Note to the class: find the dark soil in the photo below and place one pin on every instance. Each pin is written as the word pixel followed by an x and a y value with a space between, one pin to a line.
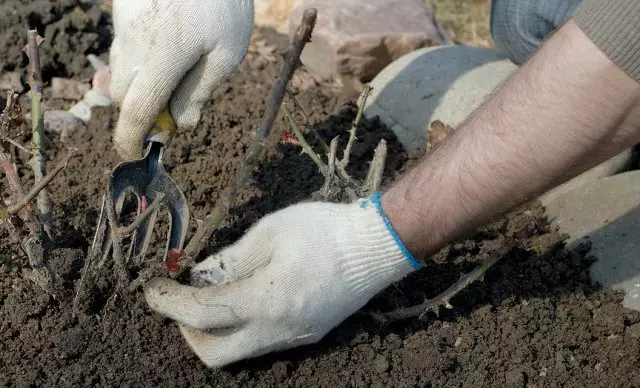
pixel 536 321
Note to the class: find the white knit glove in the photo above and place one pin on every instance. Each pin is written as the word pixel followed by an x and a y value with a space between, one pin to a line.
pixel 172 52
pixel 288 281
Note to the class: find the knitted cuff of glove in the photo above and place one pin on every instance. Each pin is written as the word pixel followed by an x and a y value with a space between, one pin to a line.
pixel 375 200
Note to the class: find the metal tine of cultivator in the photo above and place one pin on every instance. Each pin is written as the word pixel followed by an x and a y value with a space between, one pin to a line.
pixel 142 236
pixel 178 213
pixel 174 203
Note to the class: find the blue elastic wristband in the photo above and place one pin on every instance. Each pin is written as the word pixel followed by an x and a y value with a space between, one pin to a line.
pixel 375 199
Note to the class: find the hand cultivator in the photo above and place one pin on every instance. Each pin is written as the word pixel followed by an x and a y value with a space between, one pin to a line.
pixel 150 184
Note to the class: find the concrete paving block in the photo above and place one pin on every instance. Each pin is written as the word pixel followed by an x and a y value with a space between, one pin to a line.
pixel 445 83
pixel 605 211
pixel 615 165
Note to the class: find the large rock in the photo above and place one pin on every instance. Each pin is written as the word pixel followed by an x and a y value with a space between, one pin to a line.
pixel 274 13
pixel 443 83
pixel 355 39
pixel 606 212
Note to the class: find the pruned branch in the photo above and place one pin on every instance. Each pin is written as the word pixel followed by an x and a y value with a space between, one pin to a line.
pixel 242 175
pixel 354 126
pixel 346 185
pixel 38 158
pixel 376 169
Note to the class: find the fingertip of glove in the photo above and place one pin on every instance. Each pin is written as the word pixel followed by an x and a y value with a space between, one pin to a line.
pixel 187 117
pixel 157 290
pixel 127 148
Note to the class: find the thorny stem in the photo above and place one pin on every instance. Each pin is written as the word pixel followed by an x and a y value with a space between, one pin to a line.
pixel 331 168
pixel 350 187
pixel 354 127
pixel 303 142
pixel 37 161
pixel 228 197
pixel 17 192
pixel 306 123
pixel 42 184
pixel 444 298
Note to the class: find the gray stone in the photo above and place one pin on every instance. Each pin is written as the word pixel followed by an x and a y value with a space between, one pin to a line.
pixel 97 97
pixel 82 111
pixel 606 212
pixel 443 83
pixel 355 39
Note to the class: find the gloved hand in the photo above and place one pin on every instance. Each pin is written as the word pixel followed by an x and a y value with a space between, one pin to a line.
pixel 289 280
pixel 172 52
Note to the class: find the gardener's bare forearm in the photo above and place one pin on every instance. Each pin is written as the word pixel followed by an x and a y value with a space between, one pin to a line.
pixel 564 111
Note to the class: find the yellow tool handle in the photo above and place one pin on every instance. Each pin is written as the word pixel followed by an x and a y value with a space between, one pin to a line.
pixel 163 129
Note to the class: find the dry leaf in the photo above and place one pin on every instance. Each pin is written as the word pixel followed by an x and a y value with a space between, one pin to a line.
pixel 438 132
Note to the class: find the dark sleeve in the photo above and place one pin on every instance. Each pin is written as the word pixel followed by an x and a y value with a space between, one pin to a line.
pixel 614 26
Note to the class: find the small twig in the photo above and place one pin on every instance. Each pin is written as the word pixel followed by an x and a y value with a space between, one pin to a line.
pixel 124 231
pixel 376 169
pixel 354 126
pixel 116 242
pixel 92 255
pixel 347 183
pixel 17 193
pixel 28 244
pixel 6 119
pixel 307 122
pixel 41 184
pixel 37 161
pixel 331 168
pixel 228 198
pixel 303 142
pixel 15 143
pixel 445 297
